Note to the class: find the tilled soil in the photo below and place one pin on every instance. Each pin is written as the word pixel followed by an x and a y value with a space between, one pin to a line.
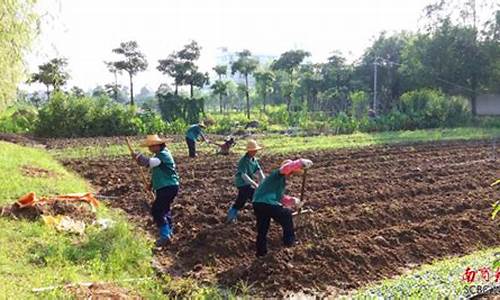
pixel 376 212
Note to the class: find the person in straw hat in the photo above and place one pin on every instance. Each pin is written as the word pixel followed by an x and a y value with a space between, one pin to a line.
pixel 164 181
pixel 245 179
pixel 193 133
pixel 269 202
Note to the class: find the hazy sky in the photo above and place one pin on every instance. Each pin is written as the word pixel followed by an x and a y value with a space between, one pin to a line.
pixel 85 31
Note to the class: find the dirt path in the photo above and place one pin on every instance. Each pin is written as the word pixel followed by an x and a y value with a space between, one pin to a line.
pixel 377 211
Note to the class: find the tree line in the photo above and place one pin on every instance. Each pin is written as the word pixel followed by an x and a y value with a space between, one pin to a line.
pixel 455 53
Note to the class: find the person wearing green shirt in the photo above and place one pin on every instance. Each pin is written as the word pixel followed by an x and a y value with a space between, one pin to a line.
pixel 247 178
pixel 193 133
pixel 165 183
pixel 267 203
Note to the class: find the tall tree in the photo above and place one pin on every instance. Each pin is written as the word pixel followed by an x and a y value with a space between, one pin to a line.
pixel 77 92
pixel 182 68
pixel 245 65
pixel 220 87
pixel 311 81
pixel 18 28
pixel 459 21
pixel 51 74
pixel 385 52
pixel 115 71
pixel 134 62
pixel 196 79
pixel 264 80
pixel 175 68
pixel 289 62
pixel 337 79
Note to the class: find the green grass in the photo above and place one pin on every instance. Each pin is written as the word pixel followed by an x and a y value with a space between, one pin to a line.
pixel 440 280
pixel 14 184
pixel 32 255
pixel 287 144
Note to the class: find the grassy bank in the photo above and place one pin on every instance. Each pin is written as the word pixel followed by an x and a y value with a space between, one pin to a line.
pixel 32 255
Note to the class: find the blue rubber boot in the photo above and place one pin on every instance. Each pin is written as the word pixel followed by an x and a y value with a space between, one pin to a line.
pixel 232 214
pixel 165 235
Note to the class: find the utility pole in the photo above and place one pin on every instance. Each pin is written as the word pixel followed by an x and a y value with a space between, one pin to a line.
pixel 375 85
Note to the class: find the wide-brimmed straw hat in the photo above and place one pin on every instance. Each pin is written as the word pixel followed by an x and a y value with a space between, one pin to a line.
pixel 253 146
pixel 152 140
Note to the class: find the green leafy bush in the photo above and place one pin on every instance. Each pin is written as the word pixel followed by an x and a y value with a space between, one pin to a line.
pixel 68 116
pixel 174 107
pixel 430 109
pixel 343 124
pixel 18 119
pixel 278 115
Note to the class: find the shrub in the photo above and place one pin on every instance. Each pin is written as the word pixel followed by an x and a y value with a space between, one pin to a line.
pixel 430 108
pixel 18 119
pixel 278 115
pixel 174 107
pixel 67 116
pixel 343 124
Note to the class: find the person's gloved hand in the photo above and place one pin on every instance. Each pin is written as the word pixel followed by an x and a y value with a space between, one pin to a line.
pixel 306 163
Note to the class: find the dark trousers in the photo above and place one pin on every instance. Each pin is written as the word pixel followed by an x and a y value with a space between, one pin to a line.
pixel 161 207
pixel 244 193
pixel 191 147
pixel 264 213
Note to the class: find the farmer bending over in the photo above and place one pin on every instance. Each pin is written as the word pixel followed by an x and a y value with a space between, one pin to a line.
pixel 165 183
pixel 193 133
pixel 267 203
pixel 248 170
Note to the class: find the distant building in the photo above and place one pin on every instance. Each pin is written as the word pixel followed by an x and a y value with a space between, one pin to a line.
pixel 488 105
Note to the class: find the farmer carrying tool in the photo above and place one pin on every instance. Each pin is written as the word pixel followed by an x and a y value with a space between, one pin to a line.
pixel 193 133
pixel 248 170
pixel 269 202
pixel 165 183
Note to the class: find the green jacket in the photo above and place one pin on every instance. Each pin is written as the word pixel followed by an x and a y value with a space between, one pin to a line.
pixel 194 132
pixel 271 190
pixel 164 174
pixel 247 165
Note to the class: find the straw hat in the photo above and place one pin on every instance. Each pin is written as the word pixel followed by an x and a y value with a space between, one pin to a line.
pixel 253 146
pixel 152 140
pixel 202 124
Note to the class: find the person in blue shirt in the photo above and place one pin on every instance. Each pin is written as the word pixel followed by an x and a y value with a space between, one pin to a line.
pixel 193 133
pixel 164 181
pixel 268 203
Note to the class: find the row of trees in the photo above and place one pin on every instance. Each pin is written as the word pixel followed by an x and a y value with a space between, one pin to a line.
pixel 455 53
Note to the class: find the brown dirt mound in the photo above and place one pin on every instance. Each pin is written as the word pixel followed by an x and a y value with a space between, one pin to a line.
pixel 31 171
pixel 101 291
pixel 18 139
pixel 75 210
pixel 377 211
